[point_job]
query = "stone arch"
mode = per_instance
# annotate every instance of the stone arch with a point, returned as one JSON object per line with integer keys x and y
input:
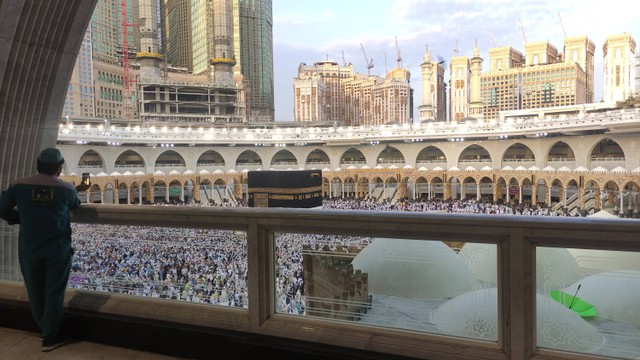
{"x": 454, "y": 187}
{"x": 390, "y": 156}
{"x": 469, "y": 188}
{"x": 474, "y": 153}
{"x": 210, "y": 158}
{"x": 284, "y": 158}
{"x": 542, "y": 192}
{"x": 437, "y": 187}
{"x": 389, "y": 188}
{"x": 175, "y": 191}
{"x": 486, "y": 188}
{"x": 606, "y": 147}
{"x": 430, "y": 155}
{"x": 317, "y": 157}
{"x": 363, "y": 186}
{"x": 631, "y": 199}
{"x": 609, "y": 196}
{"x": 352, "y": 156}
{"x": 109, "y": 194}
{"x": 90, "y": 160}
{"x": 500, "y": 190}
{"x": 123, "y": 195}
{"x": 130, "y": 158}
{"x": 335, "y": 187}
{"x": 606, "y": 153}
{"x": 160, "y": 191}
{"x": 349, "y": 187}
{"x": 560, "y": 151}
{"x": 518, "y": 153}
{"x": 555, "y": 192}
{"x": 526, "y": 186}
{"x": 169, "y": 158}
{"x": 422, "y": 187}
{"x": 248, "y": 158}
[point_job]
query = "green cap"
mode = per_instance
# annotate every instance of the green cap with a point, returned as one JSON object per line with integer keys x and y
{"x": 51, "y": 156}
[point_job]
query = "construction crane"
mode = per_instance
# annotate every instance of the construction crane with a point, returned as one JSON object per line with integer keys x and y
{"x": 493, "y": 40}
{"x": 524, "y": 37}
{"x": 126, "y": 91}
{"x": 399, "y": 56}
{"x": 366, "y": 58}
{"x": 562, "y": 25}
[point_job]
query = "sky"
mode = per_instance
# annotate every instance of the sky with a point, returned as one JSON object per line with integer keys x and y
{"x": 306, "y": 31}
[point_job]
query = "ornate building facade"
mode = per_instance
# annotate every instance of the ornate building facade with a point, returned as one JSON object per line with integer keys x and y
{"x": 586, "y": 162}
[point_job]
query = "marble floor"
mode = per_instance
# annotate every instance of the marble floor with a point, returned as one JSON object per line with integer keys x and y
{"x": 23, "y": 345}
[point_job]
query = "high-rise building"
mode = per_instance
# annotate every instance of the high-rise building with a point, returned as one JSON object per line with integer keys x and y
{"x": 328, "y": 78}
{"x": 107, "y": 34}
{"x": 619, "y": 82}
{"x": 326, "y": 91}
{"x": 79, "y": 101}
{"x": 175, "y": 94}
{"x": 580, "y": 50}
{"x": 178, "y": 32}
{"x": 253, "y": 48}
{"x": 540, "y": 78}
{"x": 310, "y": 97}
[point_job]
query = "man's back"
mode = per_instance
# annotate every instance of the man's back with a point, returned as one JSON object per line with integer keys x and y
{"x": 43, "y": 202}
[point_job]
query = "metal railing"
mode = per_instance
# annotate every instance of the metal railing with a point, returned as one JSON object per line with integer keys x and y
{"x": 516, "y": 239}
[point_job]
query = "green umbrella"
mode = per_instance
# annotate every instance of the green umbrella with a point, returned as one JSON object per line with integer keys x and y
{"x": 574, "y": 303}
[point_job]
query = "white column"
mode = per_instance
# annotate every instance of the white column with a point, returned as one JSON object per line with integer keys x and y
{"x": 478, "y": 195}
{"x": 520, "y": 191}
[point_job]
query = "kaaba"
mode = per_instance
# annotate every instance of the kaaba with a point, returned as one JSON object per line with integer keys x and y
{"x": 290, "y": 188}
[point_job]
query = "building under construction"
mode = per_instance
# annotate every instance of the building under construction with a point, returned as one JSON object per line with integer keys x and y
{"x": 167, "y": 93}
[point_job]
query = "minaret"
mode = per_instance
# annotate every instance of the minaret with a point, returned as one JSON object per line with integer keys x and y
{"x": 149, "y": 55}
{"x": 476, "y": 106}
{"x": 222, "y": 57}
{"x": 428, "y": 87}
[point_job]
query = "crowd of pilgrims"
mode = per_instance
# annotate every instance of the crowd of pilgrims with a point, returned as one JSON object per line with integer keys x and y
{"x": 210, "y": 266}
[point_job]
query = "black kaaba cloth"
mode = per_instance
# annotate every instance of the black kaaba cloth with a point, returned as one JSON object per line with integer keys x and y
{"x": 290, "y": 188}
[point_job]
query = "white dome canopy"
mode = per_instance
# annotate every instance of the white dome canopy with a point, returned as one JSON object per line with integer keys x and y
{"x": 204, "y": 172}
{"x": 475, "y": 315}
{"x": 556, "y": 267}
{"x": 549, "y": 169}
{"x": 414, "y": 269}
{"x": 438, "y": 168}
{"x": 615, "y": 295}
{"x": 592, "y": 261}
